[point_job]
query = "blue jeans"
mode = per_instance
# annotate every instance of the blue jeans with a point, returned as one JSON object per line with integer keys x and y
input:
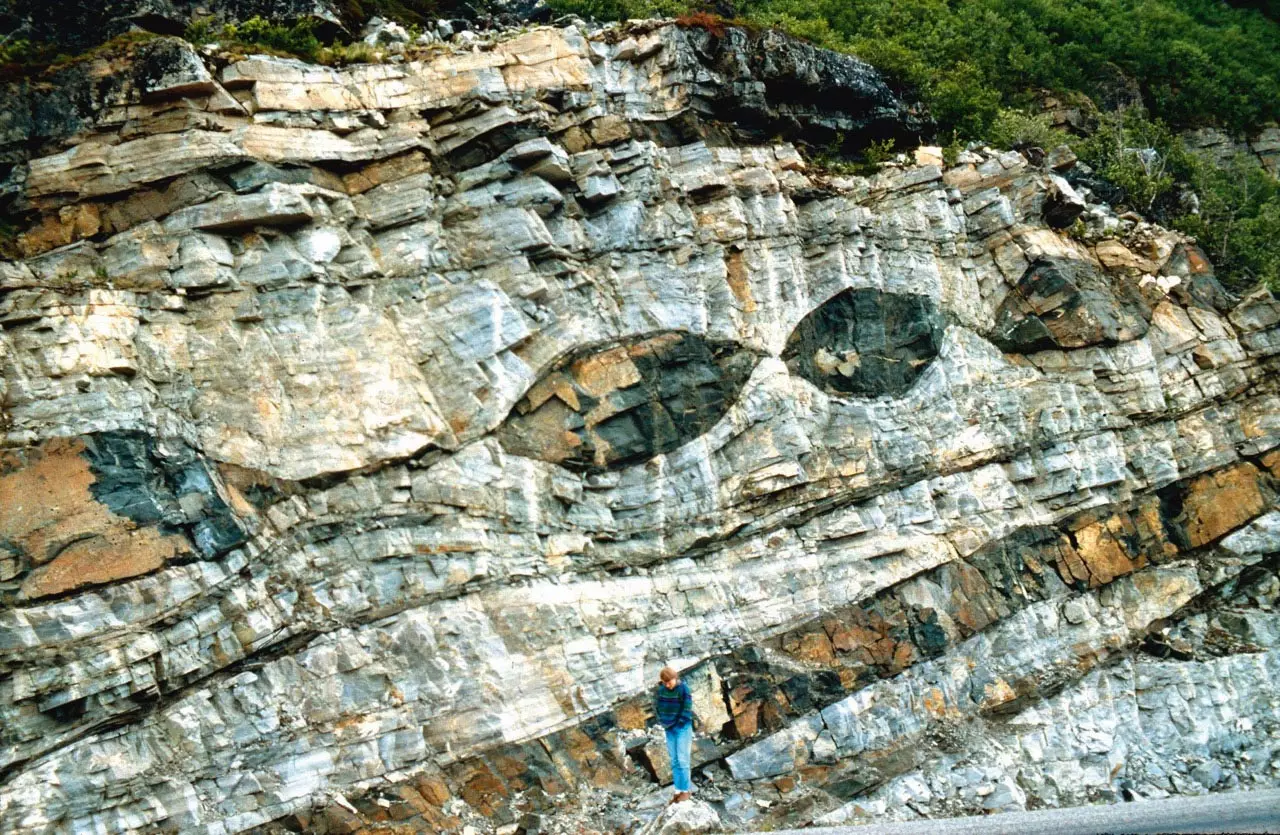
{"x": 680, "y": 747}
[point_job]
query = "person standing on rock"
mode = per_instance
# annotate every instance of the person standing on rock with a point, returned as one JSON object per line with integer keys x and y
{"x": 673, "y": 703}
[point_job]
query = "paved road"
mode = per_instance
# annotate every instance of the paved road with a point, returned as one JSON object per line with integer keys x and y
{"x": 1242, "y": 811}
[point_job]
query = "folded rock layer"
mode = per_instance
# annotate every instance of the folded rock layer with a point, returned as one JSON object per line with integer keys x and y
{"x": 370, "y": 437}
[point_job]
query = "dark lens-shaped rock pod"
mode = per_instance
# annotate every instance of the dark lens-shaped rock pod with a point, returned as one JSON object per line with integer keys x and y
{"x": 609, "y": 406}
{"x": 866, "y": 342}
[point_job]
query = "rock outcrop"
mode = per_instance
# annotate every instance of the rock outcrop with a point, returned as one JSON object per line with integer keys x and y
{"x": 370, "y": 437}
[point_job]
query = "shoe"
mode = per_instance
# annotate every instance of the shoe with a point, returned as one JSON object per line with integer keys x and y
{"x": 681, "y": 797}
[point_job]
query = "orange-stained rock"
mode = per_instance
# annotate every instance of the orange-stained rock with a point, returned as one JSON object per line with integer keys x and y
{"x": 882, "y": 651}
{"x": 1103, "y": 552}
{"x": 997, "y": 693}
{"x": 68, "y": 538}
{"x": 1116, "y": 256}
{"x": 69, "y": 224}
{"x": 1219, "y": 502}
{"x": 746, "y": 719}
{"x": 433, "y": 789}
{"x": 45, "y": 503}
{"x": 609, "y": 129}
{"x": 904, "y": 655}
{"x": 849, "y": 639}
{"x": 1070, "y": 566}
{"x": 631, "y": 716}
{"x": 340, "y": 821}
{"x": 814, "y": 647}
{"x": 605, "y": 372}
{"x": 580, "y": 757}
{"x": 410, "y": 798}
{"x": 739, "y": 280}
{"x": 115, "y": 555}
{"x": 481, "y": 788}
{"x": 385, "y": 171}
{"x": 935, "y": 702}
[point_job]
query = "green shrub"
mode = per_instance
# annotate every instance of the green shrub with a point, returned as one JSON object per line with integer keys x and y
{"x": 297, "y": 39}
{"x": 878, "y": 153}
{"x": 202, "y": 30}
{"x": 21, "y": 55}
{"x": 16, "y": 51}
{"x": 1142, "y": 157}
{"x": 1017, "y": 129}
{"x": 835, "y": 157}
{"x": 1238, "y": 223}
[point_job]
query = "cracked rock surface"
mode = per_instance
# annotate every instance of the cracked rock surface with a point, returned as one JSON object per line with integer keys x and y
{"x": 369, "y": 438}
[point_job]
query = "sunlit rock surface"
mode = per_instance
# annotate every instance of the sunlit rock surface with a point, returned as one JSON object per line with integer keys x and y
{"x": 372, "y": 436}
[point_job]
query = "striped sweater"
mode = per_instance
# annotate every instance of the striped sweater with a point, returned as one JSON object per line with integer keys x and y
{"x": 673, "y": 705}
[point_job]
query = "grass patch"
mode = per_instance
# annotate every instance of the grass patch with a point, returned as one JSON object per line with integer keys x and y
{"x": 834, "y": 159}
{"x": 20, "y": 58}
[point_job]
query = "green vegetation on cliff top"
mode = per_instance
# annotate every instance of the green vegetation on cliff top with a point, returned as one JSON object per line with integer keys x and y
{"x": 1194, "y": 62}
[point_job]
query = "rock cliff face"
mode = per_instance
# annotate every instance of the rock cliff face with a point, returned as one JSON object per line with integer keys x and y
{"x": 372, "y": 436}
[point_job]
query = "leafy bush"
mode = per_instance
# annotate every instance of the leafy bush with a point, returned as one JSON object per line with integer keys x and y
{"x": 202, "y": 30}
{"x": 1141, "y": 157}
{"x": 1016, "y": 129}
{"x": 16, "y": 51}
{"x": 835, "y": 158}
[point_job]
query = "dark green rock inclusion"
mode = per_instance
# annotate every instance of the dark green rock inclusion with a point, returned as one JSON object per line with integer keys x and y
{"x": 677, "y": 386}
{"x": 866, "y": 342}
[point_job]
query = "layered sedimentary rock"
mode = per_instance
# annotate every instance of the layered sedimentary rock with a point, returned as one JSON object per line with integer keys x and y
{"x": 372, "y": 436}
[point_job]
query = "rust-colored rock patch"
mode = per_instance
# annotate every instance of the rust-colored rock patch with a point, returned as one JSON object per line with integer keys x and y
{"x": 1220, "y": 502}
{"x": 67, "y": 538}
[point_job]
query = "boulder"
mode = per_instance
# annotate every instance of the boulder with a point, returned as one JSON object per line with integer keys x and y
{"x": 170, "y": 68}
{"x": 384, "y": 32}
{"x": 1062, "y": 205}
{"x": 1069, "y": 303}
{"x": 690, "y": 817}
{"x": 608, "y": 406}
